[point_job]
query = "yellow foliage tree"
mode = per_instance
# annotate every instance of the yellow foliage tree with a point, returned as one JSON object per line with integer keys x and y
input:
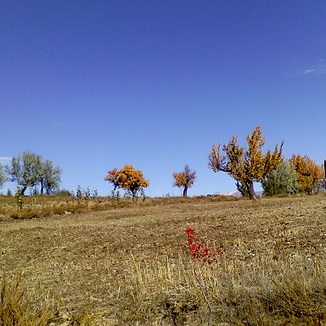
{"x": 127, "y": 178}
{"x": 246, "y": 166}
{"x": 184, "y": 179}
{"x": 309, "y": 173}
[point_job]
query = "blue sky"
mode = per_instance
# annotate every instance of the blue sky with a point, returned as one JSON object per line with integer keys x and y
{"x": 93, "y": 85}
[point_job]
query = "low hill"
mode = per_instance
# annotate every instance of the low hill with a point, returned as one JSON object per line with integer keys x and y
{"x": 131, "y": 265}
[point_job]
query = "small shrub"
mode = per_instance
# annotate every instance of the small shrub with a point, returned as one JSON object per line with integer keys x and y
{"x": 199, "y": 252}
{"x": 64, "y": 193}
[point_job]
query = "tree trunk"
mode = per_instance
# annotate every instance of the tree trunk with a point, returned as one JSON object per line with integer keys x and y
{"x": 42, "y": 186}
{"x": 134, "y": 195}
{"x": 242, "y": 188}
{"x": 185, "y": 192}
{"x": 251, "y": 190}
{"x": 23, "y": 191}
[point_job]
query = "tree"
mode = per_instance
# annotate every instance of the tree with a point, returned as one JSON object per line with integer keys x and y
{"x": 309, "y": 173}
{"x": 113, "y": 177}
{"x": 129, "y": 179}
{"x": 25, "y": 170}
{"x": 246, "y": 166}
{"x": 29, "y": 170}
{"x": 241, "y": 187}
{"x": 184, "y": 179}
{"x": 283, "y": 180}
{"x": 2, "y": 176}
{"x": 50, "y": 177}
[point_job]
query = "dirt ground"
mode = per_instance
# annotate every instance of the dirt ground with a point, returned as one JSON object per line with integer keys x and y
{"x": 80, "y": 260}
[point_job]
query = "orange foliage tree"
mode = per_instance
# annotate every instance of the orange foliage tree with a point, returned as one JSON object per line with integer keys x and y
{"x": 113, "y": 177}
{"x": 309, "y": 173}
{"x": 184, "y": 179}
{"x": 127, "y": 178}
{"x": 246, "y": 166}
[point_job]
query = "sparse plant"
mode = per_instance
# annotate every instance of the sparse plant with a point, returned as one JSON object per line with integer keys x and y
{"x": 19, "y": 198}
{"x": 95, "y": 193}
{"x": 199, "y": 251}
{"x": 87, "y": 192}
{"x": 79, "y": 192}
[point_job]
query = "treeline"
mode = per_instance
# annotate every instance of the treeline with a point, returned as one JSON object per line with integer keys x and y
{"x": 246, "y": 166}
{"x": 277, "y": 174}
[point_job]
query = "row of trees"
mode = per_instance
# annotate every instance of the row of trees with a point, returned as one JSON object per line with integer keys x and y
{"x": 133, "y": 182}
{"x": 29, "y": 170}
{"x": 246, "y": 166}
{"x": 299, "y": 174}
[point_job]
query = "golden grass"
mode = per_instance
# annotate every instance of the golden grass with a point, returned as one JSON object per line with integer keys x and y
{"x": 47, "y": 206}
{"x": 16, "y": 310}
{"x": 130, "y": 265}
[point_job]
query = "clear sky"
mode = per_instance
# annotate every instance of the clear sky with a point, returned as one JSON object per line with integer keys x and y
{"x": 93, "y": 85}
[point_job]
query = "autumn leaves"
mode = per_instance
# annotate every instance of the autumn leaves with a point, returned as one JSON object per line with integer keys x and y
{"x": 128, "y": 179}
{"x": 244, "y": 165}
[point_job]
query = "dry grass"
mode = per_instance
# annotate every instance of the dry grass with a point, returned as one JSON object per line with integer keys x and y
{"x": 16, "y": 310}
{"x": 48, "y": 206}
{"x": 129, "y": 266}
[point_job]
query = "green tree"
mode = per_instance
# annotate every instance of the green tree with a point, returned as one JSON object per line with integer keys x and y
{"x": 283, "y": 180}
{"x": 50, "y": 177}
{"x": 184, "y": 179}
{"x": 29, "y": 170}
{"x": 246, "y": 166}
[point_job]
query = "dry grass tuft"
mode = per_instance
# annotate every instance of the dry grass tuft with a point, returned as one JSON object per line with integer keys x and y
{"x": 15, "y": 309}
